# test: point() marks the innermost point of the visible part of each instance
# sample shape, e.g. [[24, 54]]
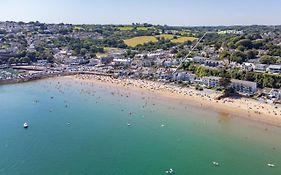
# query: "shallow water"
[[81, 128]]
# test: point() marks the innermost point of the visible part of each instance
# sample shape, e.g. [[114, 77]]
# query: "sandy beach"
[[242, 107]]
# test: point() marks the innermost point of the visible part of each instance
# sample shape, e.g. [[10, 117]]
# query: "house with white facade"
[[260, 67], [211, 81], [274, 69], [184, 76], [275, 94], [245, 87]]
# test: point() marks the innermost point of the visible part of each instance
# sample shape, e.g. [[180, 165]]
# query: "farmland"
[[126, 28], [184, 39], [177, 39], [167, 36], [139, 28], [140, 40], [145, 28]]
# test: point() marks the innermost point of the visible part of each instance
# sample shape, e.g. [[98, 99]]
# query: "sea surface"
[[91, 129]]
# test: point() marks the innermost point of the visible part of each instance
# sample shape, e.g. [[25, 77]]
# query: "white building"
[[246, 87], [184, 76], [275, 94], [248, 66], [260, 67], [122, 62], [211, 81], [274, 69]]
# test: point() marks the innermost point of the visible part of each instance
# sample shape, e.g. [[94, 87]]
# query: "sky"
[[170, 12]]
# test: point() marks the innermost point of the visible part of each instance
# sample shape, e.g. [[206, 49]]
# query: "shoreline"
[[243, 107], [47, 76]]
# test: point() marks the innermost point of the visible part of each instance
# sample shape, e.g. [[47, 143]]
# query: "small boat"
[[25, 125], [216, 163], [270, 165], [162, 125], [170, 171], [128, 124]]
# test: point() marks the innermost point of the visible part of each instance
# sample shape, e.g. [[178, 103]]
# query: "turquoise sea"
[[82, 129]]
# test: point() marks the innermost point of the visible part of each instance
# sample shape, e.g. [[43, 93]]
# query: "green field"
[[126, 28], [130, 28], [99, 55], [133, 42], [167, 36], [145, 28], [184, 39], [179, 39], [107, 49], [78, 28]]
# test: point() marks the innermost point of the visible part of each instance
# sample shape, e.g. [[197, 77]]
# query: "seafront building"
[[211, 81], [245, 87], [274, 69], [155, 64]]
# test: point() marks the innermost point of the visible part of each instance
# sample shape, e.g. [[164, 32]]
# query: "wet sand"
[[242, 107]]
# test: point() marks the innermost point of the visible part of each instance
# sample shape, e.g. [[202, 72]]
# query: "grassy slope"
[[184, 39], [140, 40], [126, 28], [167, 36]]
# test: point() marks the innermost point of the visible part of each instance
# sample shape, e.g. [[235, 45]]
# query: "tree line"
[[262, 79]]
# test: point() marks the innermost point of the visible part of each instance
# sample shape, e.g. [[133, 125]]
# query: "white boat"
[[170, 171], [216, 163], [25, 125], [270, 165], [128, 124]]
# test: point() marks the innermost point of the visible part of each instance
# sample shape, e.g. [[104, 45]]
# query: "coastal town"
[[198, 58], [136, 87]]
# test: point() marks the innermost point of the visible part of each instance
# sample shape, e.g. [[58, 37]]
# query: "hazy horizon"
[[234, 25], [123, 12]]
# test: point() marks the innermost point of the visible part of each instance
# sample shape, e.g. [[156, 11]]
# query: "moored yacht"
[[216, 163], [25, 125], [270, 165], [170, 171]]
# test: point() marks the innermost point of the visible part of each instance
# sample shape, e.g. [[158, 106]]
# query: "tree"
[[83, 51], [47, 55], [225, 82], [268, 82], [246, 43], [12, 60], [241, 48], [251, 54], [224, 54], [266, 59], [258, 44], [31, 56], [238, 57], [24, 60]]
